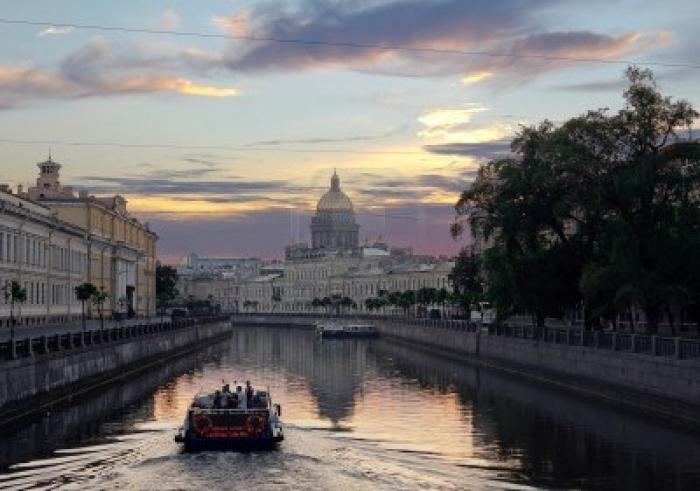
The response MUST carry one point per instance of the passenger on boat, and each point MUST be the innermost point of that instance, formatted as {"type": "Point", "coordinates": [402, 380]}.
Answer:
{"type": "Point", "coordinates": [249, 393]}
{"type": "Point", "coordinates": [242, 401]}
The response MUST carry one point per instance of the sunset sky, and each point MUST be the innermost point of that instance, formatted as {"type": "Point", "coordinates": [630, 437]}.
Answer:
{"type": "Point", "coordinates": [224, 145]}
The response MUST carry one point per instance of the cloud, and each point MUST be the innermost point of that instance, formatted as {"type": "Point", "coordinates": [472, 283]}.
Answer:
{"type": "Point", "coordinates": [236, 25]}
{"type": "Point", "coordinates": [484, 150]}
{"type": "Point", "coordinates": [170, 20]}
{"type": "Point", "coordinates": [55, 31]}
{"type": "Point", "coordinates": [497, 26]}
{"type": "Point", "coordinates": [322, 140]}
{"type": "Point", "coordinates": [167, 184]}
{"type": "Point", "coordinates": [94, 71]}
{"type": "Point", "coordinates": [458, 126]}
{"type": "Point", "coordinates": [618, 84]}
{"type": "Point", "coordinates": [442, 121]}
{"type": "Point", "coordinates": [476, 77]}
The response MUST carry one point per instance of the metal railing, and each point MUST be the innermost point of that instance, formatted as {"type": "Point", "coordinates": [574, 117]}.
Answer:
{"type": "Point", "coordinates": [34, 346]}
{"type": "Point", "coordinates": [605, 340]}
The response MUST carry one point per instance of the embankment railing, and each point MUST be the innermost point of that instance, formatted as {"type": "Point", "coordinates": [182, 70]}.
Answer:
{"type": "Point", "coordinates": [623, 342]}
{"type": "Point", "coordinates": [77, 340]}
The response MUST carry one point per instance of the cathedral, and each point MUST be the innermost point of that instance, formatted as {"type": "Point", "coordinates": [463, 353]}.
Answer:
{"type": "Point", "coordinates": [333, 264]}
{"type": "Point", "coordinates": [333, 227]}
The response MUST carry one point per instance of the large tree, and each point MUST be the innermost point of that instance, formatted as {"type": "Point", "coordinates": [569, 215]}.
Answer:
{"type": "Point", "coordinates": [594, 212]}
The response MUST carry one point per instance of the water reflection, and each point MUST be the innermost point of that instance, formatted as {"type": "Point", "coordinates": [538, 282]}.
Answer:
{"type": "Point", "coordinates": [361, 414]}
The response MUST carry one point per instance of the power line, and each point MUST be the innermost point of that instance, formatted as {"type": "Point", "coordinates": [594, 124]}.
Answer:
{"type": "Point", "coordinates": [173, 146]}
{"type": "Point", "coordinates": [316, 42]}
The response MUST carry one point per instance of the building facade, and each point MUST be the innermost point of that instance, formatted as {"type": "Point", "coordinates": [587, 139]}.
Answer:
{"type": "Point", "coordinates": [108, 247]}
{"type": "Point", "coordinates": [47, 256]}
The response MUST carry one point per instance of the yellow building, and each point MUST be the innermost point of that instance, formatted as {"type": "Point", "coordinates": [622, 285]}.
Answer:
{"type": "Point", "coordinates": [121, 251]}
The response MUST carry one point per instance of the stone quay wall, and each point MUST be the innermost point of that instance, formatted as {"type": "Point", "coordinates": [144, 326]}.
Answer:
{"type": "Point", "coordinates": [655, 375]}
{"type": "Point", "coordinates": [52, 367]}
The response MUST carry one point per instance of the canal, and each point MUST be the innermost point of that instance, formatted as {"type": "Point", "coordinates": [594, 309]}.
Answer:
{"type": "Point", "coordinates": [359, 414]}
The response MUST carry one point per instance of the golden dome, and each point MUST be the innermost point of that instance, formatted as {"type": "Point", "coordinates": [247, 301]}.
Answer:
{"type": "Point", "coordinates": [334, 200]}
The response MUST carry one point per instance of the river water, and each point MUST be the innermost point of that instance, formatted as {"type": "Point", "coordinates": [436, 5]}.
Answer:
{"type": "Point", "coordinates": [359, 414]}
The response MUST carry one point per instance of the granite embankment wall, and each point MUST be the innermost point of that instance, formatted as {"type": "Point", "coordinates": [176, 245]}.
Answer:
{"type": "Point", "coordinates": [46, 369]}
{"type": "Point", "coordinates": [660, 376]}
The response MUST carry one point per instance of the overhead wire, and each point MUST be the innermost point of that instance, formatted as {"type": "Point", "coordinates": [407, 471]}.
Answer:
{"type": "Point", "coordinates": [341, 44]}
{"type": "Point", "coordinates": [174, 146]}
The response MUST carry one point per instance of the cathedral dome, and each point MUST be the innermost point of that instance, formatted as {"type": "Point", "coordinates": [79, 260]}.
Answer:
{"type": "Point", "coordinates": [334, 200]}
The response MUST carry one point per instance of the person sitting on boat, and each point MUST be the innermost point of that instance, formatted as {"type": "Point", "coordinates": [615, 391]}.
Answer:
{"type": "Point", "coordinates": [249, 393]}
{"type": "Point", "coordinates": [242, 400]}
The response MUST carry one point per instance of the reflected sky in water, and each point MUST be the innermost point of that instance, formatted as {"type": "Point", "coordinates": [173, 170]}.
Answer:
{"type": "Point", "coordinates": [359, 414]}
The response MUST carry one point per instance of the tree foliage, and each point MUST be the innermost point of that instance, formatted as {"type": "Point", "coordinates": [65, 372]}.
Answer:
{"type": "Point", "coordinates": [166, 281]}
{"type": "Point", "coordinates": [601, 211]}
{"type": "Point", "coordinates": [14, 294]}
{"type": "Point", "coordinates": [84, 292]}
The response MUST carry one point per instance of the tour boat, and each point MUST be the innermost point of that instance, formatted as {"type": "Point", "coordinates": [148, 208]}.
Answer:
{"type": "Point", "coordinates": [334, 330]}
{"type": "Point", "coordinates": [221, 421]}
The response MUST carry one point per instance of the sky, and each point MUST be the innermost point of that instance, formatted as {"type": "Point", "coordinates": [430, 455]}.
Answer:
{"type": "Point", "coordinates": [224, 143]}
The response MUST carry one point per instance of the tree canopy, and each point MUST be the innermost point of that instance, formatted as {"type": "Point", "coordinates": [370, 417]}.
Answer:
{"type": "Point", "coordinates": [601, 211]}
{"type": "Point", "coordinates": [166, 280]}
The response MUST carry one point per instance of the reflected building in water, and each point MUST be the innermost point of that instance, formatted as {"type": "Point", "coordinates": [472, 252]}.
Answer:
{"type": "Point", "coordinates": [332, 369]}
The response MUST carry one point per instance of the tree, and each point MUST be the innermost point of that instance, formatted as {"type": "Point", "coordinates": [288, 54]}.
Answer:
{"type": "Point", "coordinates": [425, 296]}
{"type": "Point", "coordinates": [593, 213]}
{"type": "Point", "coordinates": [84, 292]}
{"type": "Point", "coordinates": [406, 300]}
{"type": "Point", "coordinates": [347, 303]}
{"type": "Point", "coordinates": [326, 302]}
{"type": "Point", "coordinates": [166, 291]}
{"type": "Point", "coordinates": [99, 299]}
{"type": "Point", "coordinates": [14, 294]}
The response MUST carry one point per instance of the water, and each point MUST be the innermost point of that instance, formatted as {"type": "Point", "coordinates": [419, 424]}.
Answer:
{"type": "Point", "coordinates": [359, 414]}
